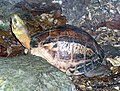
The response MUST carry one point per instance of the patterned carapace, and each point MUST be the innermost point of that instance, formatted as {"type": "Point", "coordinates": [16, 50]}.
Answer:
{"type": "Point", "coordinates": [69, 48]}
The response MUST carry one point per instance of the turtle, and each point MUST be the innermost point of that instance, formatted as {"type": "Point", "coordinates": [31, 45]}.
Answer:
{"type": "Point", "coordinates": [72, 50]}
{"type": "Point", "coordinates": [67, 47]}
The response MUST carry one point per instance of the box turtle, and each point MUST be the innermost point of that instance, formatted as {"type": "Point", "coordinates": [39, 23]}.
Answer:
{"type": "Point", "coordinates": [72, 50]}
{"type": "Point", "coordinates": [69, 48]}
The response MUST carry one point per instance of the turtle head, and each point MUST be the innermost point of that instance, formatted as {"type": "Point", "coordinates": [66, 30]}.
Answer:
{"type": "Point", "coordinates": [20, 31]}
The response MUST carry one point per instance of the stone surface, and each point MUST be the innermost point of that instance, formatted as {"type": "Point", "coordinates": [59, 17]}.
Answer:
{"type": "Point", "coordinates": [31, 73]}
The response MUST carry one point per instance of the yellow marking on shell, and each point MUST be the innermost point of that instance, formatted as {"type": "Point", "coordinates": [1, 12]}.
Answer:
{"type": "Point", "coordinates": [20, 31]}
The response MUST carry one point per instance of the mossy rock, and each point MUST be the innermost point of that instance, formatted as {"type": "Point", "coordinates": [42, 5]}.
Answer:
{"type": "Point", "coordinates": [31, 73]}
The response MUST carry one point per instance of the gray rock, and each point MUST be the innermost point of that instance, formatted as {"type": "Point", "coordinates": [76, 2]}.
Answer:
{"type": "Point", "coordinates": [6, 10]}
{"type": "Point", "coordinates": [31, 73]}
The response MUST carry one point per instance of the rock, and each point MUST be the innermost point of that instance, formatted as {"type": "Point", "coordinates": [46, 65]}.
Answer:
{"type": "Point", "coordinates": [31, 73]}
{"type": "Point", "coordinates": [6, 10]}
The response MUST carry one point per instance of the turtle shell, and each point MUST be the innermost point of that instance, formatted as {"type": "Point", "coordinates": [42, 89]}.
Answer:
{"type": "Point", "coordinates": [69, 48]}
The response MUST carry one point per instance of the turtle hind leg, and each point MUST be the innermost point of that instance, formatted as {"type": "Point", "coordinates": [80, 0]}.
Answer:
{"type": "Point", "coordinates": [98, 70]}
{"type": "Point", "coordinates": [89, 69]}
